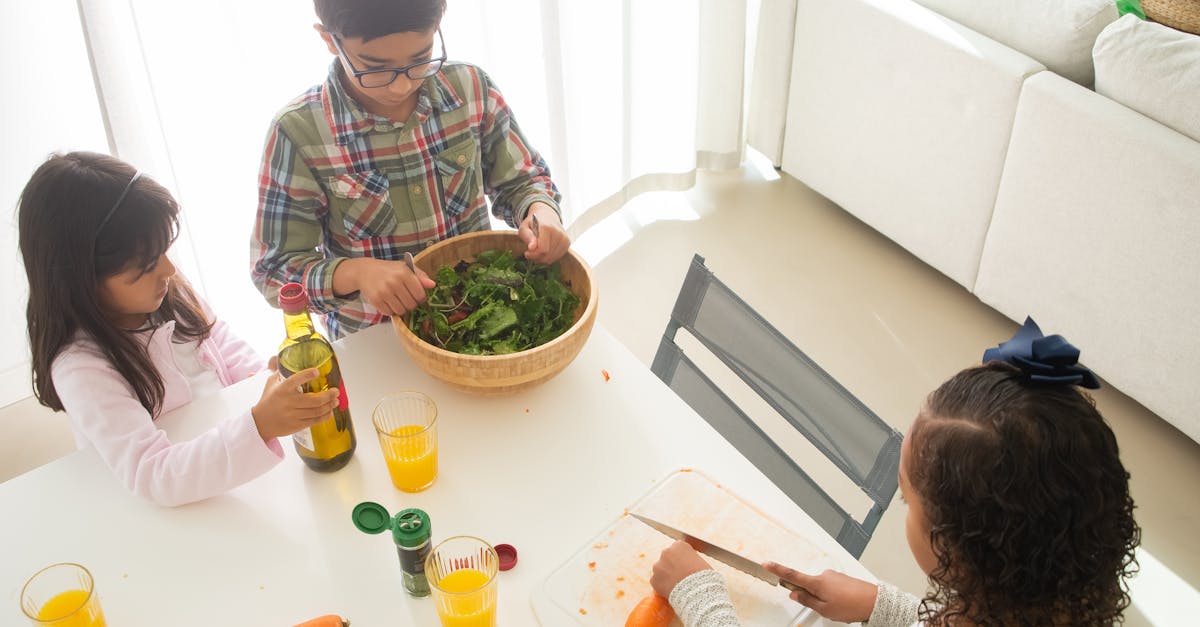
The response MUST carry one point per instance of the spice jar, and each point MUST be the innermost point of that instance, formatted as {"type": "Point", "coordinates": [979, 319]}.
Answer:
{"type": "Point", "coordinates": [411, 531]}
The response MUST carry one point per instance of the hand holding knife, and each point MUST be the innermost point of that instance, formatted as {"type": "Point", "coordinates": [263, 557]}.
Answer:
{"type": "Point", "coordinates": [725, 556]}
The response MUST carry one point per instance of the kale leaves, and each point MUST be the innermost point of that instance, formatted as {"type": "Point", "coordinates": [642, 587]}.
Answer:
{"type": "Point", "coordinates": [495, 305]}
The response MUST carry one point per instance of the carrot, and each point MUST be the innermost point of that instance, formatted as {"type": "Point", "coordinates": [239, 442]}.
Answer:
{"type": "Point", "coordinates": [328, 620]}
{"type": "Point", "coordinates": [652, 611]}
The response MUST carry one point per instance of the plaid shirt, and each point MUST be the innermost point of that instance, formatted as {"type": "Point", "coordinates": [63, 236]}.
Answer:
{"type": "Point", "coordinates": [339, 182]}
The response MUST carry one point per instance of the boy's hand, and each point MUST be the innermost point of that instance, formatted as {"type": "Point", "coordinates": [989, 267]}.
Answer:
{"type": "Point", "coordinates": [389, 286]}
{"type": "Point", "coordinates": [551, 241]}
{"type": "Point", "coordinates": [836, 596]}
{"type": "Point", "coordinates": [285, 409]}
{"type": "Point", "coordinates": [674, 565]}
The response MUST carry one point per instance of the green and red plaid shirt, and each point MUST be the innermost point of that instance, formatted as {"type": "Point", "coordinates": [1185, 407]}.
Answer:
{"type": "Point", "coordinates": [339, 182]}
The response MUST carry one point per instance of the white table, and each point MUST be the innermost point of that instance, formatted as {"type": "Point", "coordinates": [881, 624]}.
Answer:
{"type": "Point", "coordinates": [544, 471]}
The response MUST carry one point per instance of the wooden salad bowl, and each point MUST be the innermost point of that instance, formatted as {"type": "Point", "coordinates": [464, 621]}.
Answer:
{"type": "Point", "coordinates": [500, 375]}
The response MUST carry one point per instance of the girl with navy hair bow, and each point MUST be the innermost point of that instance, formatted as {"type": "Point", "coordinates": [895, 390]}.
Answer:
{"type": "Point", "coordinates": [1018, 508]}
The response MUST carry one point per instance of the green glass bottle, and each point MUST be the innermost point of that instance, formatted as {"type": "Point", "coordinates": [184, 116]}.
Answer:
{"type": "Point", "coordinates": [329, 445]}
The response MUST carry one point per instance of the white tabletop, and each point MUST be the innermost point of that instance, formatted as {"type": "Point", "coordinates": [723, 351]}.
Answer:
{"type": "Point", "coordinates": [544, 471]}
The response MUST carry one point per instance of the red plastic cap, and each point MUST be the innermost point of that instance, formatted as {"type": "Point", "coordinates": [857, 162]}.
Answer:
{"type": "Point", "coordinates": [293, 298]}
{"type": "Point", "coordinates": [507, 554]}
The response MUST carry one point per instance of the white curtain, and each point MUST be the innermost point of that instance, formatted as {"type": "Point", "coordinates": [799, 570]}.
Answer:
{"type": "Point", "coordinates": [49, 105]}
{"type": "Point", "coordinates": [620, 97]}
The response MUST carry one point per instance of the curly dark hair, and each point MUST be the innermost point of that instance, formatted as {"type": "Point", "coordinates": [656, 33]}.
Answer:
{"type": "Point", "coordinates": [1028, 503]}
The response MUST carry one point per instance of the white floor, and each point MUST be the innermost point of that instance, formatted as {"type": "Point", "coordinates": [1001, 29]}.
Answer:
{"type": "Point", "coordinates": [887, 326]}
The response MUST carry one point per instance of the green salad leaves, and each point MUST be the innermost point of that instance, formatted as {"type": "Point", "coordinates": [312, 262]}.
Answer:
{"type": "Point", "coordinates": [495, 305]}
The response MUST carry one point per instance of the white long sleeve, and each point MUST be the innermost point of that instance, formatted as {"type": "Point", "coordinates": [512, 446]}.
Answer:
{"type": "Point", "coordinates": [893, 608]}
{"type": "Point", "coordinates": [702, 600]}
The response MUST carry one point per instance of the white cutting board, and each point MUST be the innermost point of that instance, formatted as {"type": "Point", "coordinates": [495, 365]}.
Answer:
{"type": "Point", "coordinates": [601, 583]}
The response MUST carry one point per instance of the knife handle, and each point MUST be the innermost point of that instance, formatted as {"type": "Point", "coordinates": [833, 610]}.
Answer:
{"type": "Point", "coordinates": [793, 587]}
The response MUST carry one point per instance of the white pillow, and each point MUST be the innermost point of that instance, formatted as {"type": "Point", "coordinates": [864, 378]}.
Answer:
{"type": "Point", "coordinates": [1058, 33]}
{"type": "Point", "coordinates": [1152, 69]}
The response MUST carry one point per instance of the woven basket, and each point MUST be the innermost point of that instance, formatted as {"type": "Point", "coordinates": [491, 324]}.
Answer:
{"type": "Point", "coordinates": [500, 375]}
{"type": "Point", "coordinates": [1181, 15]}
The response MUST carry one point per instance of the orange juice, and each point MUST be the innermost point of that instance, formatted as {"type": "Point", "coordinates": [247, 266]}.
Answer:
{"type": "Point", "coordinates": [476, 608]}
{"type": "Point", "coordinates": [411, 455]}
{"type": "Point", "coordinates": [73, 608]}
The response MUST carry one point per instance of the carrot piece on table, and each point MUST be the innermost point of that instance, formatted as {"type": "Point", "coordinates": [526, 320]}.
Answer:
{"type": "Point", "coordinates": [652, 611]}
{"type": "Point", "coordinates": [328, 620]}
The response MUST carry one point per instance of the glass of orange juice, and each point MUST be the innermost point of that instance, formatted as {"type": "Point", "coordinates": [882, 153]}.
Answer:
{"type": "Point", "coordinates": [406, 423]}
{"type": "Point", "coordinates": [462, 576]}
{"type": "Point", "coordinates": [62, 595]}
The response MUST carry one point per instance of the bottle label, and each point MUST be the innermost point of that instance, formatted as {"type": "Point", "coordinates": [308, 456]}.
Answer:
{"type": "Point", "coordinates": [343, 400]}
{"type": "Point", "coordinates": [304, 438]}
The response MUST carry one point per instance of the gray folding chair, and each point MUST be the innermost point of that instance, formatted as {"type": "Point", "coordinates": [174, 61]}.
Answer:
{"type": "Point", "coordinates": [861, 445]}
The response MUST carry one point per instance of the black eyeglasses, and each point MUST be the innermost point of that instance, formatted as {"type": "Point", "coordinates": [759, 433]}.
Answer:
{"type": "Point", "coordinates": [386, 76]}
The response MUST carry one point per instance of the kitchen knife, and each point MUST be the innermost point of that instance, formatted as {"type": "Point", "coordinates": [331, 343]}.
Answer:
{"type": "Point", "coordinates": [725, 556]}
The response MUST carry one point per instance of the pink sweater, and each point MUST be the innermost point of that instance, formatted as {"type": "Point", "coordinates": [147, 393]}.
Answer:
{"type": "Point", "coordinates": [106, 414]}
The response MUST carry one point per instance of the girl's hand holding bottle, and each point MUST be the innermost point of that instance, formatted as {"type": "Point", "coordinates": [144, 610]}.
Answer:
{"type": "Point", "coordinates": [285, 409]}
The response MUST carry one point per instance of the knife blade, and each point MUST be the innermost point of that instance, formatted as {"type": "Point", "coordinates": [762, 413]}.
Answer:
{"type": "Point", "coordinates": [723, 555]}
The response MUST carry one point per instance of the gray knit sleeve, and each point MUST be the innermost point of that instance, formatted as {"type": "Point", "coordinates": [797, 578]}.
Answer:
{"type": "Point", "coordinates": [893, 608]}
{"type": "Point", "coordinates": [701, 600]}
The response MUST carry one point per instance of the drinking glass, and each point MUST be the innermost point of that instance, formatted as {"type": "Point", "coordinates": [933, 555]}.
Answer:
{"type": "Point", "coordinates": [62, 595]}
{"type": "Point", "coordinates": [406, 423]}
{"type": "Point", "coordinates": [462, 576]}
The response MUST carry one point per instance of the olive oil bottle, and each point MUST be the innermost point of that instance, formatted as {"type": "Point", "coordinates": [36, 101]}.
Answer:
{"type": "Point", "coordinates": [328, 445]}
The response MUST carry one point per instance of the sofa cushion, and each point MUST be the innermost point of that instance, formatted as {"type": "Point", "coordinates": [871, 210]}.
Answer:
{"type": "Point", "coordinates": [1059, 33]}
{"type": "Point", "coordinates": [1152, 69]}
{"type": "Point", "coordinates": [1095, 235]}
{"type": "Point", "coordinates": [903, 119]}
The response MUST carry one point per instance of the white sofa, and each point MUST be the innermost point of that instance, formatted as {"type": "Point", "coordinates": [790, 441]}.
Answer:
{"type": "Point", "coordinates": [1034, 192]}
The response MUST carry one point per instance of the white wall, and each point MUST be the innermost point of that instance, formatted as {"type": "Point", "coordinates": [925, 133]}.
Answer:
{"type": "Point", "coordinates": [49, 104]}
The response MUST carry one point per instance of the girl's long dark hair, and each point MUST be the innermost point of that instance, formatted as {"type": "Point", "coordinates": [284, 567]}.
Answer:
{"type": "Point", "coordinates": [68, 249]}
{"type": "Point", "coordinates": [1029, 506]}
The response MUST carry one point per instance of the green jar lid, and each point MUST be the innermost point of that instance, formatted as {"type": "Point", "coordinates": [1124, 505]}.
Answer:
{"type": "Point", "coordinates": [371, 517]}
{"type": "Point", "coordinates": [411, 527]}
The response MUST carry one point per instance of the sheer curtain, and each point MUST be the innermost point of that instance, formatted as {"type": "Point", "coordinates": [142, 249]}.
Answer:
{"type": "Point", "coordinates": [620, 97]}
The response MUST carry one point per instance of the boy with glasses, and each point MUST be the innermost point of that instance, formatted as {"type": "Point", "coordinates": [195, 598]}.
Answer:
{"type": "Point", "coordinates": [394, 152]}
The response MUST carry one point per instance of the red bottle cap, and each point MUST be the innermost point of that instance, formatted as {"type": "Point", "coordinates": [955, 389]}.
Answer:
{"type": "Point", "coordinates": [507, 554]}
{"type": "Point", "coordinates": [293, 298]}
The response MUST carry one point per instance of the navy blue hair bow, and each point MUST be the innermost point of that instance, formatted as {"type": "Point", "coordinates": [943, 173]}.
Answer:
{"type": "Point", "coordinates": [1043, 359]}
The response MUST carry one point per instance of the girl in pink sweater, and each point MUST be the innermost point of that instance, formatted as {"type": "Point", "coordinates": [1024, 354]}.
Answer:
{"type": "Point", "coordinates": [117, 338]}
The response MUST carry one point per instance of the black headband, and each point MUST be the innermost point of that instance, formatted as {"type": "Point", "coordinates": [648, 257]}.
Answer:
{"type": "Point", "coordinates": [125, 192]}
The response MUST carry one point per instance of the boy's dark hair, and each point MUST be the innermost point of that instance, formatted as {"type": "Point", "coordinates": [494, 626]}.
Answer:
{"type": "Point", "coordinates": [369, 19]}
{"type": "Point", "coordinates": [67, 249]}
{"type": "Point", "coordinates": [1029, 506]}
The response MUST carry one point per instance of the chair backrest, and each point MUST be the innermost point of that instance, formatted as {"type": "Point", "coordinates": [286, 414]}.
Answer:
{"type": "Point", "coordinates": [857, 441]}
